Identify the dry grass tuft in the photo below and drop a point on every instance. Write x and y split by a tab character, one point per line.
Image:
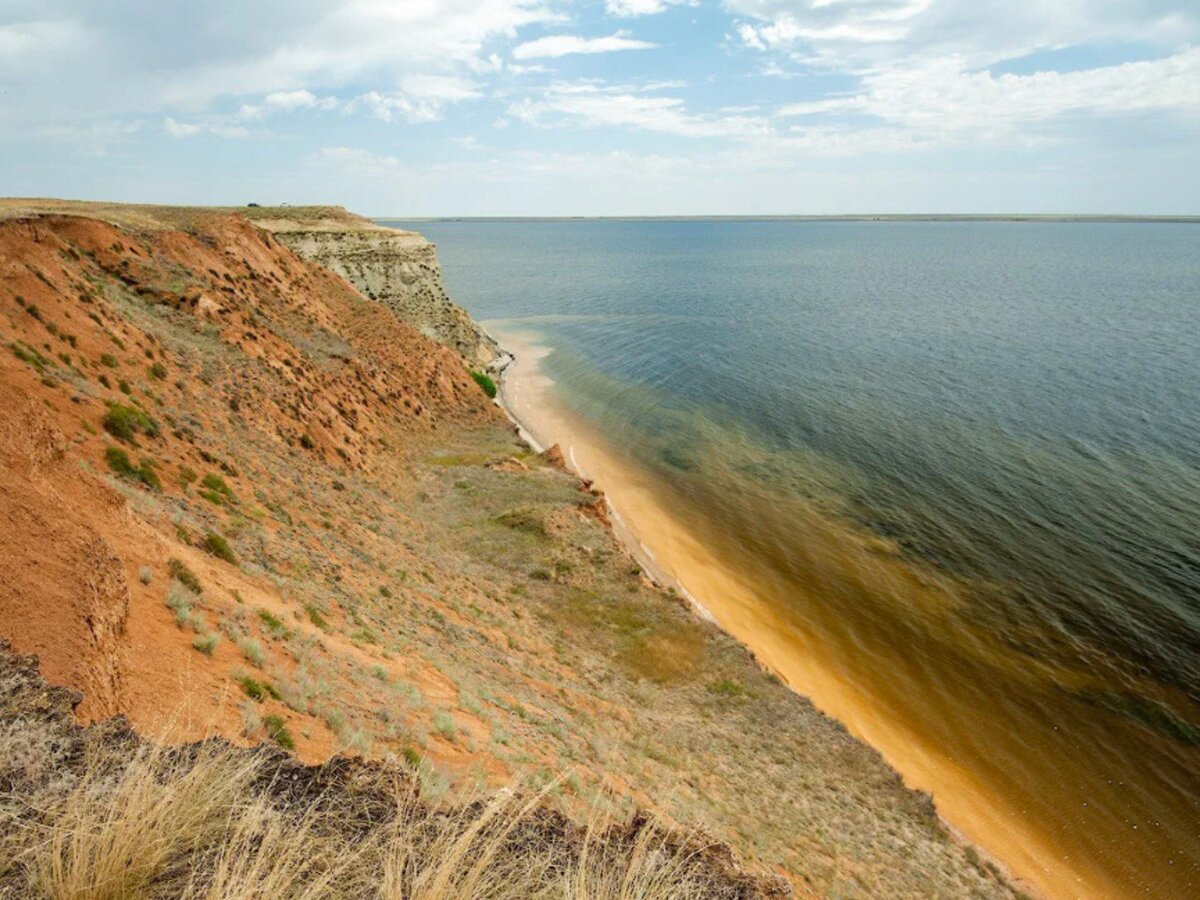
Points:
212	822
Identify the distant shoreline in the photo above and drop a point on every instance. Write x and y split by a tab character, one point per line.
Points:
894	217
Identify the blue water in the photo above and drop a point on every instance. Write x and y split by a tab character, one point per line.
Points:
1016	405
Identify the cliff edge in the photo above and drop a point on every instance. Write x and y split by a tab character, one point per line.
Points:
396	268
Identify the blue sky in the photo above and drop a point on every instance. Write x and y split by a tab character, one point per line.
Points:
607	107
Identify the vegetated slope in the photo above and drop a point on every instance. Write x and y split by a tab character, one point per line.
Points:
99	811
240	498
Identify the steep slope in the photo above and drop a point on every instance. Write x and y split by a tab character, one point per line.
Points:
240	498
398	268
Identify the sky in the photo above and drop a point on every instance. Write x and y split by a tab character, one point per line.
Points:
413	108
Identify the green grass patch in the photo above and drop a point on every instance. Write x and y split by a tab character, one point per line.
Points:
118	460
125	422
185	576
277	731
272	622
256	690
314	616
219	547
485	382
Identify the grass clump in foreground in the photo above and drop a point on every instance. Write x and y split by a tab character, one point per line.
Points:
485	381
209	821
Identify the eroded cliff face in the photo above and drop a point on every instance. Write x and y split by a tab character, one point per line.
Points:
397	268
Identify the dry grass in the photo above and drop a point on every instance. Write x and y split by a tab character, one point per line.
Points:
207	823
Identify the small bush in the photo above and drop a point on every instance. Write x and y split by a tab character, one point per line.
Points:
157	371
307	442
185	576
107	359
277	731
272	622
485	381
118	460
206	643
255	689
124	422
219	547
179	601
314	616
215	482
444	725
727	687
186	476
124	387
253	651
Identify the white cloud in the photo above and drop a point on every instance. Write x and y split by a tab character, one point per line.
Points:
81	59
420	98
192	129
565	44
360	163
629	8
286	101
857	34
941	98
594	106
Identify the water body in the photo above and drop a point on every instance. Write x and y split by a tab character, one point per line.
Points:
944	476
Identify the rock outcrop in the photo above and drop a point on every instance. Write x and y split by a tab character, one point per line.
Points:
397	268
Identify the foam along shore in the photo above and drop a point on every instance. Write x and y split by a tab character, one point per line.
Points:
677	556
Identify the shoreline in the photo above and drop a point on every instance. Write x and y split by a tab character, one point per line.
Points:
967	807
628	537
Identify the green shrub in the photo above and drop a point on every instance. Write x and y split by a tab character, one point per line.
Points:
124	387
157	371
185	576
314	616
124	422
277	731
484	381
272	622
107	359
186	476
118	460
727	687
219	547
255	689
206	643
215	490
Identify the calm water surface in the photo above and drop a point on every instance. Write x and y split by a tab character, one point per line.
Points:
1011	408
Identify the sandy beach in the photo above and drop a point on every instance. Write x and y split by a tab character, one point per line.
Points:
681	557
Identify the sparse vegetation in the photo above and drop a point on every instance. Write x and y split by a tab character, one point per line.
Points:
219	547
206	643
143	473
126	422
185	576
272	622
277	731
